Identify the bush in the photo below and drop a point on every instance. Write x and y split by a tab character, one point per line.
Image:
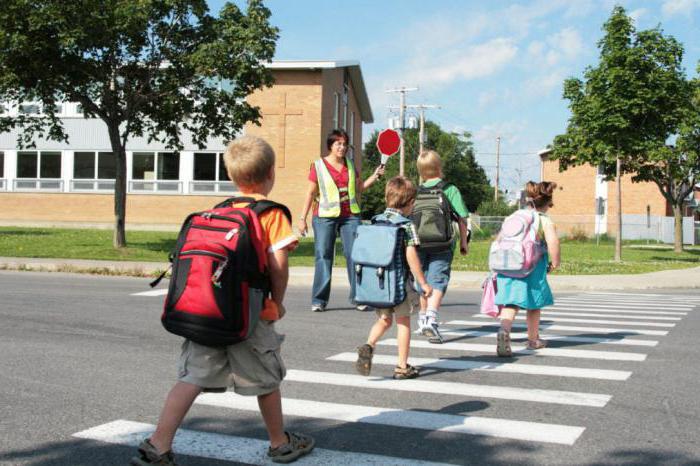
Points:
577	233
491	208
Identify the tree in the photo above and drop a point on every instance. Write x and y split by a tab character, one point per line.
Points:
629	104
458	164
676	168
145	67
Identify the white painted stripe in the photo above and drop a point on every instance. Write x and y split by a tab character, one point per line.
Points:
645	297
589	321
158	292
573	307
626	304
451	388
565	338
504	428
547	312
612	293
232	448
507	367
568	328
553	352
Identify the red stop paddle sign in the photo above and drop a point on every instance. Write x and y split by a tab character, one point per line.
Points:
388	142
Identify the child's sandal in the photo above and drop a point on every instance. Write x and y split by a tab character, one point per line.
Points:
364	359
536	344
408	372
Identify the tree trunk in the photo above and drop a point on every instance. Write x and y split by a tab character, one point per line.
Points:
119	151
677	228
618	237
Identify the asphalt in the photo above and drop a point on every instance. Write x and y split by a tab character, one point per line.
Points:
665	279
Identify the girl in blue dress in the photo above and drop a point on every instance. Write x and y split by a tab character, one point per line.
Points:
532	292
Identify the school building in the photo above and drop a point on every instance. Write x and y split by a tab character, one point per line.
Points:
72	184
585	202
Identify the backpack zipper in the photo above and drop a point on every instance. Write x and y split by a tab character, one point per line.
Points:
202	252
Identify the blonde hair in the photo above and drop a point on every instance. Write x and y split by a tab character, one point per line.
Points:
399	192
429	165
248	160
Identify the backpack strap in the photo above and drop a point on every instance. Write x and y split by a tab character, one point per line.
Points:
263	205
256	205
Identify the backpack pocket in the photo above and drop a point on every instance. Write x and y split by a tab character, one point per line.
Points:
202	281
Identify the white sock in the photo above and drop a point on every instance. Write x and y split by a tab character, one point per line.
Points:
432	315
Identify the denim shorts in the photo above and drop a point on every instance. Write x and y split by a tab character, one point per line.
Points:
437	267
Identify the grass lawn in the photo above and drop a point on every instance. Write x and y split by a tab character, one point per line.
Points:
579	257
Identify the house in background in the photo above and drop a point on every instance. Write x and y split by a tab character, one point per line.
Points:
72	184
586	203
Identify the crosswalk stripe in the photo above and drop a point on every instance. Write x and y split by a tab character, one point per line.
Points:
509	367
573	307
589	321
233	448
553	311
517	349
451	388
569	328
626	304
474	425
565	338
158	292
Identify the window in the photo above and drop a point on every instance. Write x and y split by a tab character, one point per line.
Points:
29	109
346	93
38	170
94	165
2	165
79	109
161	169
336	109
210	173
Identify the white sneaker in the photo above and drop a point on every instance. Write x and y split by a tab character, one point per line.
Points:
422	321
432	331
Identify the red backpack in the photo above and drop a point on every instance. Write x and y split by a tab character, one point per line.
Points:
219	277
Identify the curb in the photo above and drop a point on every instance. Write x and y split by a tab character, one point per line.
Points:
303	276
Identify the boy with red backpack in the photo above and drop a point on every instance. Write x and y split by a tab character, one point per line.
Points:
256	248
438	206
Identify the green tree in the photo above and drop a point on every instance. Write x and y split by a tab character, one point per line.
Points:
675	169
154	68
458	164
628	105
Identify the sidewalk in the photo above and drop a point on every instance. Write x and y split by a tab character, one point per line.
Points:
303	276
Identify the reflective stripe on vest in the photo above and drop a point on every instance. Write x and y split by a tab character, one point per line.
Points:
329	194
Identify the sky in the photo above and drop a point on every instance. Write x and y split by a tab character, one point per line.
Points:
495	68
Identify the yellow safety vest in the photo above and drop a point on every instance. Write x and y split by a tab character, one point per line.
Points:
330	196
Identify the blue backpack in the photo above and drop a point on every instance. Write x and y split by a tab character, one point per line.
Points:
379	258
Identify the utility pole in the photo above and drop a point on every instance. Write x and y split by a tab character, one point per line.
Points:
402	118
498	167
421	134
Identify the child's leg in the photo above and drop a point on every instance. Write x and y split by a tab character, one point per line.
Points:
403	336
177	403
533	324
379	328
507	315
271	410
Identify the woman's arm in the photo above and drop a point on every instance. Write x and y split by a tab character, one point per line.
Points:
378	172
552	239
311	193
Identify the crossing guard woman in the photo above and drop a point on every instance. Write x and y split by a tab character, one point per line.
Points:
335	184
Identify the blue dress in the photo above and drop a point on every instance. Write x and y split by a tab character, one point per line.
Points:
531	292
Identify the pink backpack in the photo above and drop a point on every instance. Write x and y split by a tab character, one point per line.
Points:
517	249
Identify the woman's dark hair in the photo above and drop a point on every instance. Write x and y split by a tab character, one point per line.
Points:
336	135
540	194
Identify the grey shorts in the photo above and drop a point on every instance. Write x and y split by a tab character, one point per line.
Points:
252	367
406	308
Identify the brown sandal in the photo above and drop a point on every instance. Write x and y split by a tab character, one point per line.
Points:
536	344
408	372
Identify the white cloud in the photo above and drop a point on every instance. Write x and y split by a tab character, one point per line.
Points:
679	7
637	14
470	62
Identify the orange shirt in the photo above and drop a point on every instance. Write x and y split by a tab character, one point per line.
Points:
277	235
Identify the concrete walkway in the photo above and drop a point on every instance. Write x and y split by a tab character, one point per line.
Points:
303	276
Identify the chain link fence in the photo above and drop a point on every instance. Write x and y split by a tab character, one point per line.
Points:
581	227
